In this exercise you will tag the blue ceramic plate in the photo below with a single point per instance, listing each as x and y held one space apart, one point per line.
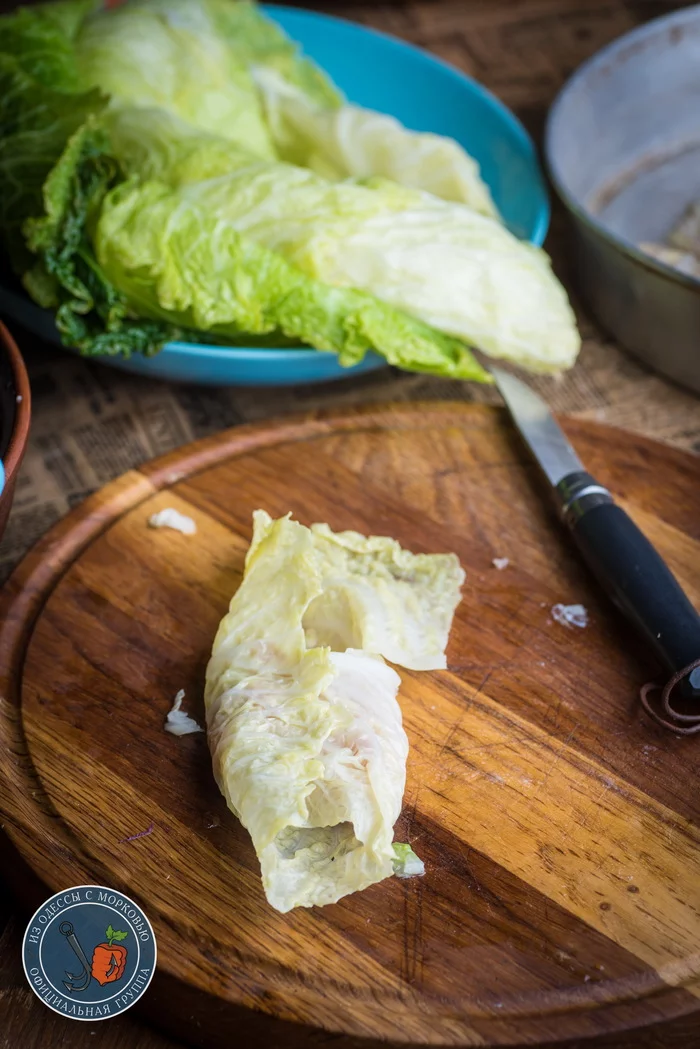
425 94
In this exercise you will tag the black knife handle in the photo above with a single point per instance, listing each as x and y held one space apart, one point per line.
633 574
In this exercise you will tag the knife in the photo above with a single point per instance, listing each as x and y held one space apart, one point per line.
622 559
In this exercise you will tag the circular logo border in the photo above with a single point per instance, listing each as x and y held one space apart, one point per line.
36 923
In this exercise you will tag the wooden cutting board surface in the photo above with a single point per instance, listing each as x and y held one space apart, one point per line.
559 827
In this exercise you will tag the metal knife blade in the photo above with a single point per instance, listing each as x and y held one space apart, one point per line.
537 426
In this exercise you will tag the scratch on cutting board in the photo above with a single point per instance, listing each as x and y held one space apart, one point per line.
557 759
458 722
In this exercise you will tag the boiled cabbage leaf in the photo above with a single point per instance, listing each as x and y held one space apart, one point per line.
55 169
41 39
458 271
178 262
35 124
381 598
261 43
348 141
169 243
42 103
168 53
91 313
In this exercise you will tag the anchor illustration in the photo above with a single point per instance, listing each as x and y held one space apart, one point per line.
76 981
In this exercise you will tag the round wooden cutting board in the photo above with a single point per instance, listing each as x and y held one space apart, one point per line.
558 824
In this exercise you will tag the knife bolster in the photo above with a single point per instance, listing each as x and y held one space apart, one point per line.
578 493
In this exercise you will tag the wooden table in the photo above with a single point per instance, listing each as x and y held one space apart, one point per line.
106 422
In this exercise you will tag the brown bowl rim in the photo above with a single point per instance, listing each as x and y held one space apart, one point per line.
20 430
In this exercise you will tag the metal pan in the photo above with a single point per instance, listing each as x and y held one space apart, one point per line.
623 151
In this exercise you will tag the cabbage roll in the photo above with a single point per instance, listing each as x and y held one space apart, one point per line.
303 722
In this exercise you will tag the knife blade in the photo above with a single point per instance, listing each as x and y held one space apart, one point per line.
627 566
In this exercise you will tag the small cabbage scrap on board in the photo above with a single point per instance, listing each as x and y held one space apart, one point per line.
303 723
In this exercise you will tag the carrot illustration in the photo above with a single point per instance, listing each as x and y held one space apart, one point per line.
109 959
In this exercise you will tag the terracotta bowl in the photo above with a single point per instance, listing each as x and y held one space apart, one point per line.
15 412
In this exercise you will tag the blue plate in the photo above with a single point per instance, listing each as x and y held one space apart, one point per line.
425 94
